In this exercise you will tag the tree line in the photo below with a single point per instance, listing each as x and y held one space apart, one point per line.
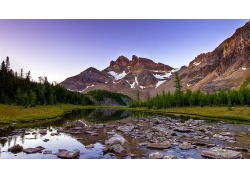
21 90
197 98
99 95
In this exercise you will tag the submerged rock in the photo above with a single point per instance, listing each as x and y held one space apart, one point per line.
117 148
15 149
47 152
164 145
156 155
33 150
45 140
219 153
90 146
68 154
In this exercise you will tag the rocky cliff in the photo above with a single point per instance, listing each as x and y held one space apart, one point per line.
227 67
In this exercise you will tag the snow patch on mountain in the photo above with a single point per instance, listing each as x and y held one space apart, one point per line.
159 83
117 76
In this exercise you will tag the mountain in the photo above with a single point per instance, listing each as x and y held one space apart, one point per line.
226 67
122 76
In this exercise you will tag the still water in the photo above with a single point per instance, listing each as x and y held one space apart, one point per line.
94 127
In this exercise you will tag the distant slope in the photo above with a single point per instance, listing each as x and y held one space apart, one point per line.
103 97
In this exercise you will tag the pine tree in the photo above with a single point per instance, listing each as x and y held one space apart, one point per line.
178 89
25 102
32 98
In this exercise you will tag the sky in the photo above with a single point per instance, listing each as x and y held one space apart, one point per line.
61 48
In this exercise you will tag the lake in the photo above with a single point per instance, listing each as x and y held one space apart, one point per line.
121 134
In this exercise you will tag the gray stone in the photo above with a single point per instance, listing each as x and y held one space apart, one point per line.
68 154
125 129
163 145
116 139
219 153
170 157
43 131
33 150
156 155
186 145
117 148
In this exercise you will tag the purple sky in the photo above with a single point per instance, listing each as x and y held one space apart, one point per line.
62 48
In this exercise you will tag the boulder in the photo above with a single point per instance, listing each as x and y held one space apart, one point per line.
156 155
68 154
45 140
219 153
163 145
33 150
16 148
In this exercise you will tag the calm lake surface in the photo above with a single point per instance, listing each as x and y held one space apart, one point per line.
92 130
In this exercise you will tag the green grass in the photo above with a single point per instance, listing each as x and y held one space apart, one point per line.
11 113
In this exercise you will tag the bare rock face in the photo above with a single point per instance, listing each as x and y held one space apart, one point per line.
226 62
85 79
146 79
218 153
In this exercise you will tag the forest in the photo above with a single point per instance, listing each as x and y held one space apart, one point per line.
19 89
229 98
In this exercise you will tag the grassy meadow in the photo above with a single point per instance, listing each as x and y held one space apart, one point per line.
12 113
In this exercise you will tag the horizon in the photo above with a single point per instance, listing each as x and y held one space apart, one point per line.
60 48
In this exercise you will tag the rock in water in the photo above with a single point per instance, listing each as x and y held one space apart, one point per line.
170 157
15 149
116 148
156 155
164 145
186 145
218 153
68 154
125 129
33 150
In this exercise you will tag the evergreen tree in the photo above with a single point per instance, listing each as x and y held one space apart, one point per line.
25 102
32 98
